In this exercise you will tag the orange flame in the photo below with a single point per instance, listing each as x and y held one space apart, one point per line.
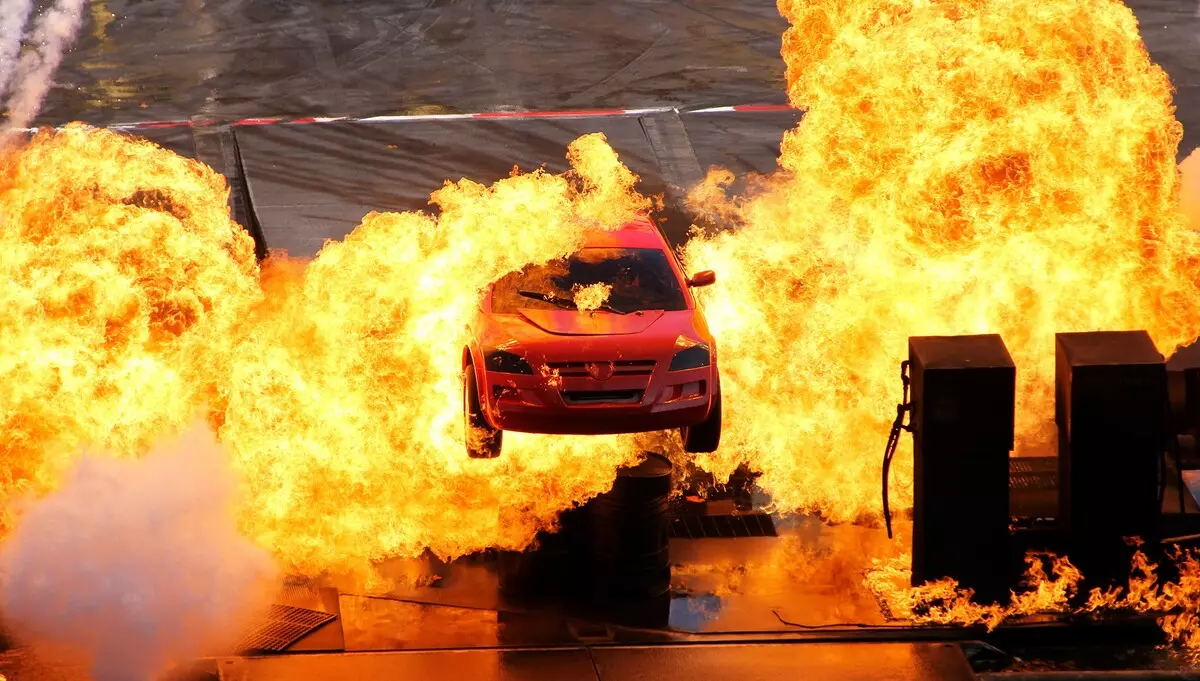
1024 185
962 167
944 602
135 302
1189 194
345 403
124 281
592 297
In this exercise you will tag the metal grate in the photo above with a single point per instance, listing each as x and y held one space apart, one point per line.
1033 473
1033 464
1034 482
283 626
722 526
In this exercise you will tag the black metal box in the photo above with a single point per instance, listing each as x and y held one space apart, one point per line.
1111 407
963 391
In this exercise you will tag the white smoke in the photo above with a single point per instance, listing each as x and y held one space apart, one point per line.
13 15
32 73
136 564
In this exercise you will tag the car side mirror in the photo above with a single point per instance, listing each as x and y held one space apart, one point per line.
705 278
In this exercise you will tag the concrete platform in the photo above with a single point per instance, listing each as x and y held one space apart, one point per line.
249 58
741 662
311 183
744 142
806 580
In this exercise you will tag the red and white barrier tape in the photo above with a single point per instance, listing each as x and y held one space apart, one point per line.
405 118
744 108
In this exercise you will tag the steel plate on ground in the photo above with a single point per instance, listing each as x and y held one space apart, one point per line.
721 526
283 626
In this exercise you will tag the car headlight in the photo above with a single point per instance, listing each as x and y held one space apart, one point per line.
505 362
692 358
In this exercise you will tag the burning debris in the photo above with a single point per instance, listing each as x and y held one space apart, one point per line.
592 297
944 602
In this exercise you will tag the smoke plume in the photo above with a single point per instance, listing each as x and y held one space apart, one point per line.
136 564
53 32
13 15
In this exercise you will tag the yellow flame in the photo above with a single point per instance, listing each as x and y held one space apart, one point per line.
591 297
124 281
962 167
944 602
1189 193
134 302
1176 602
345 404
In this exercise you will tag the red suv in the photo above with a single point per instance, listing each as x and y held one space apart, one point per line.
608 340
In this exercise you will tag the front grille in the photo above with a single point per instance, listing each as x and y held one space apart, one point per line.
602 396
628 367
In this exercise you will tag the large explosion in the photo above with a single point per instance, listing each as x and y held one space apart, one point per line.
133 303
962 167
345 406
124 278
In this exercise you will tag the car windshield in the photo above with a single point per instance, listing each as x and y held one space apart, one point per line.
641 279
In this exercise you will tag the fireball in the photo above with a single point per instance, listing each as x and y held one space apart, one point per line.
134 303
124 281
345 413
962 167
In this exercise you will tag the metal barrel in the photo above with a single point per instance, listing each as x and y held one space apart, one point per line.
629 532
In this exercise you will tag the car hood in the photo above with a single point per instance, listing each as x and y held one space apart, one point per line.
572 323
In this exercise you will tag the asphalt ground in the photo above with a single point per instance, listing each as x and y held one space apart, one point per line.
229 59
168 59
140 60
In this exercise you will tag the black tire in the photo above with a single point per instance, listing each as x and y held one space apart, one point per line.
704 437
489 445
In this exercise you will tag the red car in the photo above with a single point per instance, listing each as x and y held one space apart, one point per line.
637 357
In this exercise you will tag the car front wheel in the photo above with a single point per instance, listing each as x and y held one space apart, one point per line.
704 437
483 441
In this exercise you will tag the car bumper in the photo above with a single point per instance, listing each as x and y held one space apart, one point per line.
532 404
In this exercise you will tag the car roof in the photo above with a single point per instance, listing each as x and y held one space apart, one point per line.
640 232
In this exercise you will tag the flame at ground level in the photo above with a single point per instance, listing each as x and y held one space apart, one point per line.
1051 585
